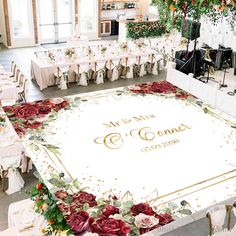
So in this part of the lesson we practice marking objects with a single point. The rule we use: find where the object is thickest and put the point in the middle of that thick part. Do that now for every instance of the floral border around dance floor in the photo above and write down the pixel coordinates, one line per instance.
(68, 207)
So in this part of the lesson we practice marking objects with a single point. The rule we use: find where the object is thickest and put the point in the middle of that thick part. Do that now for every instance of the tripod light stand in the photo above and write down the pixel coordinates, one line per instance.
(226, 65)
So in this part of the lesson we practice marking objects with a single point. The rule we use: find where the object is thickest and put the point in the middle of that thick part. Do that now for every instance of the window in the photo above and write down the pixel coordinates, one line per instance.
(88, 15)
(152, 9)
(20, 18)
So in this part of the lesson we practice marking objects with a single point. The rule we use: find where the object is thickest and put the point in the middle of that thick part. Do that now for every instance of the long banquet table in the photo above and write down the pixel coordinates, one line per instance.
(8, 89)
(42, 70)
(11, 156)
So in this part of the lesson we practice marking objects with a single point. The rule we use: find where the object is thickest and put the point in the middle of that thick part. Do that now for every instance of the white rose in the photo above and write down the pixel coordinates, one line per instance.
(117, 217)
(145, 221)
(45, 206)
(90, 234)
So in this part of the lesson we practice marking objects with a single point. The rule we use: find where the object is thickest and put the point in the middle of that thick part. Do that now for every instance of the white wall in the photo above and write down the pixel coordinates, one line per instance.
(112, 14)
(143, 6)
(3, 39)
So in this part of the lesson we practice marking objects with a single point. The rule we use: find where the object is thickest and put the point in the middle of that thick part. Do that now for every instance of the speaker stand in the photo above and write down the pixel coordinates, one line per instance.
(193, 57)
(224, 85)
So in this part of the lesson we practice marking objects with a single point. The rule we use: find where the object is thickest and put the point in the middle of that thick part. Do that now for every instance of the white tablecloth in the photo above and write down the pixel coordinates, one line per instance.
(42, 70)
(11, 157)
(22, 216)
(10, 143)
(8, 90)
(81, 41)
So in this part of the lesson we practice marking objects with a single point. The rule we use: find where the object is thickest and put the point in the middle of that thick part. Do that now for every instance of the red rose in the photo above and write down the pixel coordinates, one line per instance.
(27, 111)
(83, 197)
(61, 194)
(19, 130)
(32, 125)
(182, 95)
(39, 186)
(142, 208)
(63, 104)
(164, 218)
(10, 111)
(44, 109)
(110, 227)
(64, 208)
(79, 221)
(48, 103)
(109, 210)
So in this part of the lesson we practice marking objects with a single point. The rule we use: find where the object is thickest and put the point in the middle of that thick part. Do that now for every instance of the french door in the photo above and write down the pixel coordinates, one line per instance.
(55, 20)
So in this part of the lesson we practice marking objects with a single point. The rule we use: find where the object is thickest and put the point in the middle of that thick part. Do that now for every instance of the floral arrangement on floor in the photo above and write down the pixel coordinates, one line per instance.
(162, 87)
(70, 52)
(136, 30)
(167, 89)
(82, 213)
(29, 115)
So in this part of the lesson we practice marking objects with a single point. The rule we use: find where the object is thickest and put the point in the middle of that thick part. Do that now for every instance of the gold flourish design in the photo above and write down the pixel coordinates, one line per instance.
(111, 141)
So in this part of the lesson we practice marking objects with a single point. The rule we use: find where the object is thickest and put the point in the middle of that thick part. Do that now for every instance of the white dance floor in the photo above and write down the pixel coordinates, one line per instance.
(156, 147)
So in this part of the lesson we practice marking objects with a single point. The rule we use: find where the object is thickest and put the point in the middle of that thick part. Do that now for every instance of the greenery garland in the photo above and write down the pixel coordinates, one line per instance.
(46, 206)
(145, 29)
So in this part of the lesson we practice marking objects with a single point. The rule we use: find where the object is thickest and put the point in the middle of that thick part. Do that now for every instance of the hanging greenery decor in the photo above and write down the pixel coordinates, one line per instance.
(195, 9)
(145, 29)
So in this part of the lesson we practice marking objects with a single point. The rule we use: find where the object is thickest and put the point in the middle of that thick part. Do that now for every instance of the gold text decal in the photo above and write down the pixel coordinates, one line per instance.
(116, 140)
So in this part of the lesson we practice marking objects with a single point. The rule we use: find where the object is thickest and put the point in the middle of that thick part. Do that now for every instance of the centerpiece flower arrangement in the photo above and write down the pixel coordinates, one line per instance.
(90, 52)
(2, 122)
(70, 52)
(140, 45)
(124, 46)
(103, 50)
(51, 57)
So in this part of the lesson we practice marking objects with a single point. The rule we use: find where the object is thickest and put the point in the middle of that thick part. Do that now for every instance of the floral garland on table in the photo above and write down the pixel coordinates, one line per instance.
(29, 115)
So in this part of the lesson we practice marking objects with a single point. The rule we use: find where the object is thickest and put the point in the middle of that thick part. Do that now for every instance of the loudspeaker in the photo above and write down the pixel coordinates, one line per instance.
(187, 64)
(190, 29)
